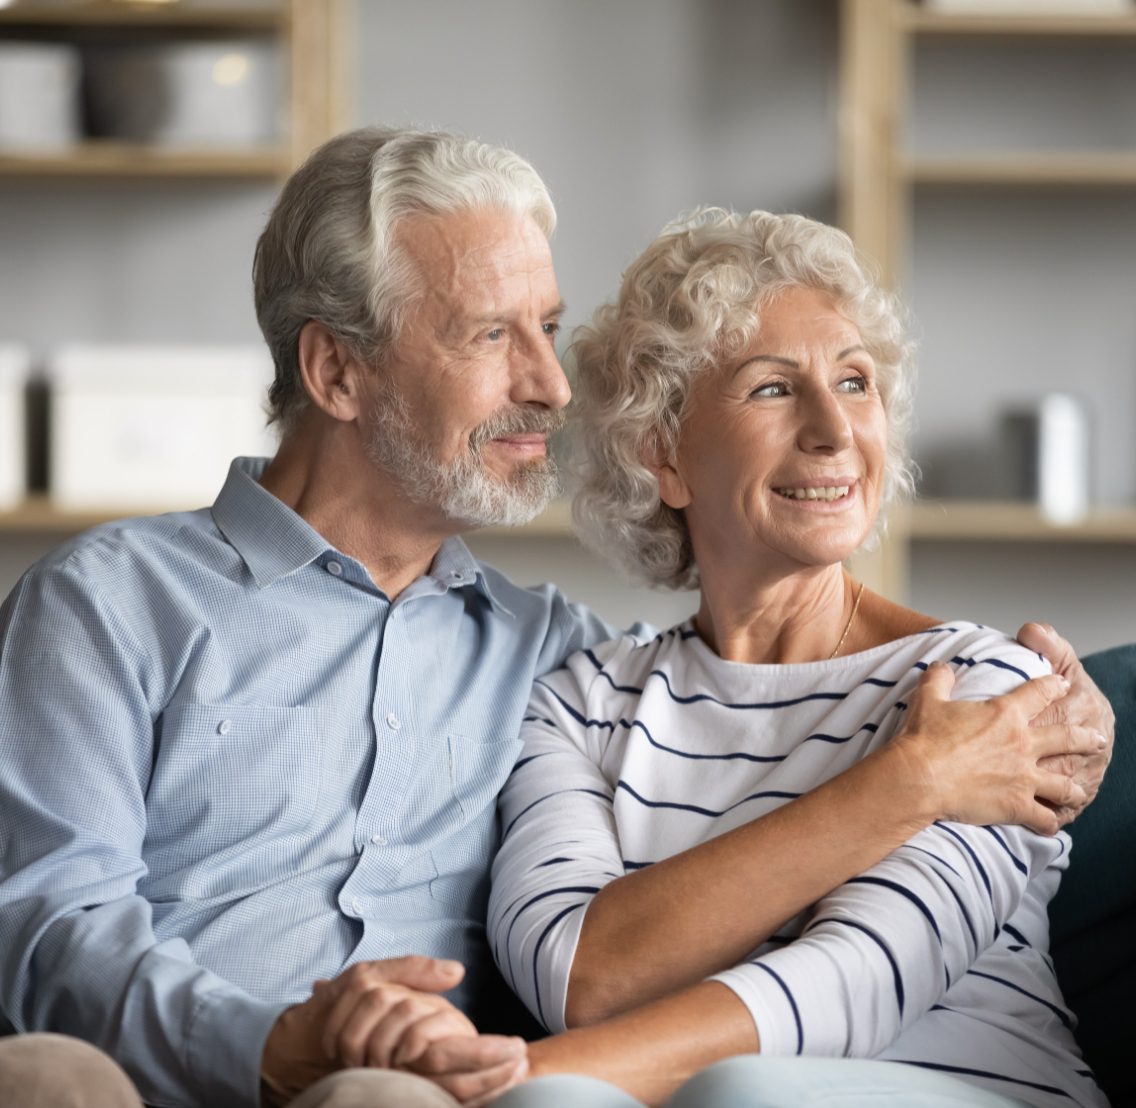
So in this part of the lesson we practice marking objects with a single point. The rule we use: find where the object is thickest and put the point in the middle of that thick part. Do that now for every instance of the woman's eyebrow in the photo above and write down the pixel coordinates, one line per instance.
(857, 349)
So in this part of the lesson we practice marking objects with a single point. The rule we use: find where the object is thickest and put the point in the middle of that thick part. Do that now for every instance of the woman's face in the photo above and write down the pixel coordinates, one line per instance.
(781, 453)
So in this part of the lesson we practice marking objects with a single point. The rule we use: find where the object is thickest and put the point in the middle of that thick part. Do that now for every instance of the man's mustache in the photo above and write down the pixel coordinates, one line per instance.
(516, 421)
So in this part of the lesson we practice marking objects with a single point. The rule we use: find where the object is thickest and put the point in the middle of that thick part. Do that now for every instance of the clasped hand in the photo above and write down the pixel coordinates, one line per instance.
(388, 1014)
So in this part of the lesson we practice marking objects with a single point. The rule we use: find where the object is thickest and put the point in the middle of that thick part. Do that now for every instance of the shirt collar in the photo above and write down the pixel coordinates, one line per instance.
(454, 566)
(271, 538)
(275, 541)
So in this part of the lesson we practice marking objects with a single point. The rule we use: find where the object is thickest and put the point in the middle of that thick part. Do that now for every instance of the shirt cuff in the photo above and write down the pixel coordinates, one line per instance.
(771, 1005)
(227, 1033)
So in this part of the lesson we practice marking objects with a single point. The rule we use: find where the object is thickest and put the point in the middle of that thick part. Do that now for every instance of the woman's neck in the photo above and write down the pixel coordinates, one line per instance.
(802, 617)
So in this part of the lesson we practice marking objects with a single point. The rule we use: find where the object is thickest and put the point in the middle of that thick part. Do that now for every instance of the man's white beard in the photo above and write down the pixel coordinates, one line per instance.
(464, 490)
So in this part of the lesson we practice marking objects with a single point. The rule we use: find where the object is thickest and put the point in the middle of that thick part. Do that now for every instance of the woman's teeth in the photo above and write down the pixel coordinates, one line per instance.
(832, 492)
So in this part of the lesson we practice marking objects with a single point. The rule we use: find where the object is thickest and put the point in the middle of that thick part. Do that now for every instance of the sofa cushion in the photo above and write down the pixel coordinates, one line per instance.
(1093, 916)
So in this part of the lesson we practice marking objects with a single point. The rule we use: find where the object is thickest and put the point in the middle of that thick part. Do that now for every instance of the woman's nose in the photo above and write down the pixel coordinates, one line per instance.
(825, 426)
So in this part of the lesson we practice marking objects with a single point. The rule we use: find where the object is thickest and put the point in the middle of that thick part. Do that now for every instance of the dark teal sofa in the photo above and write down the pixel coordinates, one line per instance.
(1093, 916)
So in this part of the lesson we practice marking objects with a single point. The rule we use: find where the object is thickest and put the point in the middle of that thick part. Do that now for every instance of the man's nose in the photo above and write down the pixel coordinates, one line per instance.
(539, 377)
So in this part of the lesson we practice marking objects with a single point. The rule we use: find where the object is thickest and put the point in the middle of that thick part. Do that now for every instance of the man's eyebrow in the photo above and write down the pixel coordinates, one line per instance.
(858, 348)
(460, 323)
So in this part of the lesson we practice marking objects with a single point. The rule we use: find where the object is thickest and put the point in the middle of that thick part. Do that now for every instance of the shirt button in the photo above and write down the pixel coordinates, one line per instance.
(393, 722)
(224, 727)
(335, 569)
(378, 840)
(357, 906)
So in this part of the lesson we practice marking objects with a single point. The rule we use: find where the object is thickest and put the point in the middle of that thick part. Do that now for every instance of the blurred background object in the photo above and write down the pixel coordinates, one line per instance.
(985, 160)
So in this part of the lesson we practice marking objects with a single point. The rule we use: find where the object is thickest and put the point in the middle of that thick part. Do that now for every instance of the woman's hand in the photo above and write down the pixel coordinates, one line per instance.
(981, 761)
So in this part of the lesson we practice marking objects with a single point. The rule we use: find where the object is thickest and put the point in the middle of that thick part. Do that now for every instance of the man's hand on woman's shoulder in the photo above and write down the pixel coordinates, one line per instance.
(1084, 705)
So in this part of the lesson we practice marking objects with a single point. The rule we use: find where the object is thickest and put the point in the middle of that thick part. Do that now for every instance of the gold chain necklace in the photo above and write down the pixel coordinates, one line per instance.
(851, 620)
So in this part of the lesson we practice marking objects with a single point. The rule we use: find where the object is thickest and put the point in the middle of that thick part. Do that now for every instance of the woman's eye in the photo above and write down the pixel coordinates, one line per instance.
(774, 388)
(854, 384)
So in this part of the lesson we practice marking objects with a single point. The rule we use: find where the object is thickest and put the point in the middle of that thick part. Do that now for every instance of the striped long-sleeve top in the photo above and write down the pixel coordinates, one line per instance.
(934, 957)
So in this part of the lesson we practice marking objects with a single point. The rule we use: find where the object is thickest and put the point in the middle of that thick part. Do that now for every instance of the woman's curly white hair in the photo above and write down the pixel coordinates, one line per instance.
(692, 299)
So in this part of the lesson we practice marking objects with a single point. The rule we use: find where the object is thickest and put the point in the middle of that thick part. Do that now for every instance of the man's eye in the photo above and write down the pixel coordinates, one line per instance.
(551, 328)
(496, 334)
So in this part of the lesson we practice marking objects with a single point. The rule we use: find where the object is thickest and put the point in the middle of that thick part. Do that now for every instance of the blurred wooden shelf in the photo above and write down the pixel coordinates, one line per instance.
(927, 21)
(994, 521)
(146, 13)
(1041, 169)
(126, 160)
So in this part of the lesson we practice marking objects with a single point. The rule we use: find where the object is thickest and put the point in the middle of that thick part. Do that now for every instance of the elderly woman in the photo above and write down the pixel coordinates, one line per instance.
(743, 837)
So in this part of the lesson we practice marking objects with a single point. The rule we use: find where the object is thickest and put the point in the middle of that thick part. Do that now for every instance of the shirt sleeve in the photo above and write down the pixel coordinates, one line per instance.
(560, 845)
(882, 949)
(78, 702)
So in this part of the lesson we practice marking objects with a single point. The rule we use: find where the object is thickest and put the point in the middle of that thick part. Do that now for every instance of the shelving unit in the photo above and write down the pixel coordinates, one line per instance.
(878, 179)
(309, 33)
(311, 38)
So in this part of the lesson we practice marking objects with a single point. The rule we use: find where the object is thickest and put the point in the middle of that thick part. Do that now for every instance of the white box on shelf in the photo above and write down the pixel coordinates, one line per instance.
(152, 427)
(14, 365)
(186, 94)
(39, 96)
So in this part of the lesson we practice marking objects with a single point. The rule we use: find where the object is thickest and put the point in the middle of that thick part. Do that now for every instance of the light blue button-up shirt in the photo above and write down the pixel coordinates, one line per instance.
(230, 765)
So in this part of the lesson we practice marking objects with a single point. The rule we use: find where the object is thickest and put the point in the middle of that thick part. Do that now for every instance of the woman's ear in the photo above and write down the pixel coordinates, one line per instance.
(673, 490)
(331, 374)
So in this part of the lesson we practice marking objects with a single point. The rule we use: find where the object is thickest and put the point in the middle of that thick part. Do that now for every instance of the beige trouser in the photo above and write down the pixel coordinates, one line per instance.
(54, 1071)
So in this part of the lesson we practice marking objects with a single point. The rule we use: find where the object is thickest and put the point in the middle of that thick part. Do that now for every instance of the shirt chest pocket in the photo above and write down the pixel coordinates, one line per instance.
(231, 777)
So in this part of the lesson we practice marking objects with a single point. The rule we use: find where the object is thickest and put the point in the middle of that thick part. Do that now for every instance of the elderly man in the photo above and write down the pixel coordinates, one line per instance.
(245, 747)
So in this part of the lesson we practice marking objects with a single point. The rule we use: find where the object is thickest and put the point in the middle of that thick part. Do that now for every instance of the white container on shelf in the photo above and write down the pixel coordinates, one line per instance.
(14, 365)
(39, 96)
(186, 94)
(152, 427)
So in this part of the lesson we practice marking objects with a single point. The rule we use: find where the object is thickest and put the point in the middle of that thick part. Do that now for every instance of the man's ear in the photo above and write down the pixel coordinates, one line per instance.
(673, 490)
(331, 374)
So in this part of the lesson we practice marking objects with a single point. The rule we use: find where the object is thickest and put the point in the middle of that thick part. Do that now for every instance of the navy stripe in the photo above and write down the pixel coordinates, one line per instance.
(1018, 863)
(553, 862)
(1061, 1015)
(973, 857)
(549, 796)
(931, 854)
(999, 664)
(536, 955)
(743, 706)
(636, 865)
(982, 1073)
(952, 890)
(528, 904)
(1015, 933)
(609, 679)
(897, 888)
(621, 784)
(531, 758)
(898, 978)
(732, 757)
(818, 736)
(792, 1005)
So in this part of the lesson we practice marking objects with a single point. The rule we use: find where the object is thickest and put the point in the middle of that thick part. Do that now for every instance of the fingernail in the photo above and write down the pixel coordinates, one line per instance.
(447, 965)
(1064, 680)
(1102, 742)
